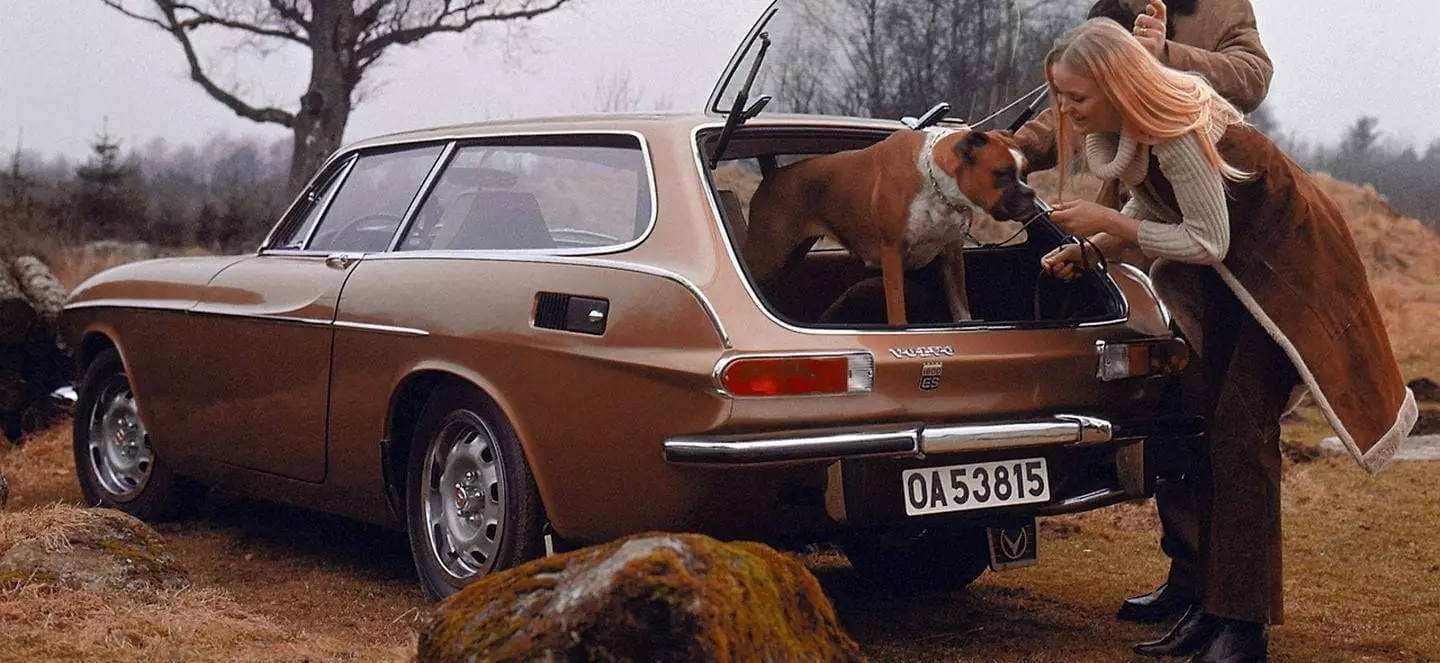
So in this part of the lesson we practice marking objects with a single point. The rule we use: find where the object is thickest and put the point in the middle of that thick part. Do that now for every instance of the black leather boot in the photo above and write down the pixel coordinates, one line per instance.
(1192, 632)
(1161, 605)
(1235, 641)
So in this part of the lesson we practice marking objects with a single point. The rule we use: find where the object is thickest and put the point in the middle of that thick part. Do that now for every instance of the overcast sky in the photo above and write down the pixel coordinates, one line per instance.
(68, 65)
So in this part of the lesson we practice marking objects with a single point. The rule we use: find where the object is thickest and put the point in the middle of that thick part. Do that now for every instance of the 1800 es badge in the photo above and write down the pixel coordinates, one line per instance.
(930, 376)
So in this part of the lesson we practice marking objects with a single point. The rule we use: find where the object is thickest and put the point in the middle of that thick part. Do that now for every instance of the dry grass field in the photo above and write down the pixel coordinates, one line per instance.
(278, 584)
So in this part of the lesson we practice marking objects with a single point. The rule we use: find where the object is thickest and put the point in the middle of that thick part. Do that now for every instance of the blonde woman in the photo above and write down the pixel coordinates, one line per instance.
(1219, 40)
(1264, 278)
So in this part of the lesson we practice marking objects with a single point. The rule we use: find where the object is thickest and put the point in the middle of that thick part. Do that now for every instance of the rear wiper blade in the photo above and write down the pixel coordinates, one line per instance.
(739, 114)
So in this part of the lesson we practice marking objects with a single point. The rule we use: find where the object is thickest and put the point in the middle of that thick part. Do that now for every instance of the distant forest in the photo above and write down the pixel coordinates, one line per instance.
(223, 195)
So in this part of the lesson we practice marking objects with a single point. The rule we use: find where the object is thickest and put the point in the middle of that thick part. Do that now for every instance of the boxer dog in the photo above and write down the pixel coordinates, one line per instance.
(897, 204)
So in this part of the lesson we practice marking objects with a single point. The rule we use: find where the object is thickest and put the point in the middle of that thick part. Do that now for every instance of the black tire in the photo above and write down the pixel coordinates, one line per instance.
(505, 521)
(934, 559)
(113, 459)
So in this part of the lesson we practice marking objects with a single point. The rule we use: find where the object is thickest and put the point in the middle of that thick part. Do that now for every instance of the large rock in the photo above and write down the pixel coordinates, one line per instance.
(650, 597)
(34, 359)
(44, 292)
(96, 549)
(17, 312)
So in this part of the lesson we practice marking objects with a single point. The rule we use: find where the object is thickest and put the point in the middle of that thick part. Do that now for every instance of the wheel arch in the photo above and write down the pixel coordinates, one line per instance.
(406, 403)
(91, 345)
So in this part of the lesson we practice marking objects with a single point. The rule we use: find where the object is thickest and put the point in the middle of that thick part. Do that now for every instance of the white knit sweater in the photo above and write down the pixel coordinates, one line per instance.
(1198, 232)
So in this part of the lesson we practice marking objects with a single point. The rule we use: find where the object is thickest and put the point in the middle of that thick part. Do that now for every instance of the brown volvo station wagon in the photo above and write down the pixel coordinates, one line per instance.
(506, 336)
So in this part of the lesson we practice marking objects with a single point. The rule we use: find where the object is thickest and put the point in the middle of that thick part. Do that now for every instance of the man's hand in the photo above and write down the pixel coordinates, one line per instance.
(1150, 28)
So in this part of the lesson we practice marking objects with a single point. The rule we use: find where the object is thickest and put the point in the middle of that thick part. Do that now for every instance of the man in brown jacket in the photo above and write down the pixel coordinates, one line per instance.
(1219, 40)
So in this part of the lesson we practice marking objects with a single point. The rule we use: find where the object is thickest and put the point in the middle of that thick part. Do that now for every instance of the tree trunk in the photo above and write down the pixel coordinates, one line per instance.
(325, 107)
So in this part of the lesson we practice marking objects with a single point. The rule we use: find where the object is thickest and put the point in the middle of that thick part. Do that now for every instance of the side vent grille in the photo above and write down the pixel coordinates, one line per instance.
(550, 310)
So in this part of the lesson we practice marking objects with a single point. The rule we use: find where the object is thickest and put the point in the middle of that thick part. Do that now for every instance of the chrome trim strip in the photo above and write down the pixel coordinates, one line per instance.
(551, 259)
(1094, 499)
(801, 446)
(1144, 279)
(130, 304)
(1063, 429)
(832, 444)
(261, 317)
(425, 185)
(765, 310)
(383, 329)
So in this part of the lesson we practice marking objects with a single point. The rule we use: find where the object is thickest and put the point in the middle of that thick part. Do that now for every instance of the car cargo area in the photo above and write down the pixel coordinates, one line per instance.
(830, 288)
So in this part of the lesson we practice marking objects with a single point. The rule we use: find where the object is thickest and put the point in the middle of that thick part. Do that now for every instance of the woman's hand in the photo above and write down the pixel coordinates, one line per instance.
(1150, 27)
(1083, 218)
(1066, 262)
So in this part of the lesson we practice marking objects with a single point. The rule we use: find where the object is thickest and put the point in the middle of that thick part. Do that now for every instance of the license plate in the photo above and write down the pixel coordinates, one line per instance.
(972, 486)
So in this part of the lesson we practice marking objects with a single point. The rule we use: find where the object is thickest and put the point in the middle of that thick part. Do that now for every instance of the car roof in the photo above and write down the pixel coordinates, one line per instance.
(605, 122)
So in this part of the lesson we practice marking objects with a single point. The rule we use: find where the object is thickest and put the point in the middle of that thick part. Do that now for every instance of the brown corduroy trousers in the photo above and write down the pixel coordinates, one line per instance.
(1228, 509)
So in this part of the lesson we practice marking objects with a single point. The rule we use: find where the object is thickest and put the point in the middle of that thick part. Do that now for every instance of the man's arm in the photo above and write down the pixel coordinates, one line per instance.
(1036, 139)
(1238, 68)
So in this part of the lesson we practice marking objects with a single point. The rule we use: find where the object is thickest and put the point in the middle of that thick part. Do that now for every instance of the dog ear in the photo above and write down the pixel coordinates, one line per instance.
(965, 149)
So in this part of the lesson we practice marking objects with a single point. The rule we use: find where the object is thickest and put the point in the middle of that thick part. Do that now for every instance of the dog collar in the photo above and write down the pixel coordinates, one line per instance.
(927, 157)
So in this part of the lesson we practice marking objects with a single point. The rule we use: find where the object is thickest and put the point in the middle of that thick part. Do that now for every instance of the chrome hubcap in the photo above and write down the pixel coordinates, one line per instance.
(464, 496)
(120, 455)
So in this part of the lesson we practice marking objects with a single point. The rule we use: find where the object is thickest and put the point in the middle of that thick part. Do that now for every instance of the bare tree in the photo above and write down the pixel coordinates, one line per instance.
(617, 92)
(890, 58)
(345, 38)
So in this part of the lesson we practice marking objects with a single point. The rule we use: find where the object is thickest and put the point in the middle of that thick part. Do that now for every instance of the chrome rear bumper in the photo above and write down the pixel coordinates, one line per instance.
(911, 440)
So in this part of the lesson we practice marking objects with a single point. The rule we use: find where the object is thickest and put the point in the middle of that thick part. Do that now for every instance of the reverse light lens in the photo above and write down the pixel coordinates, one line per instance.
(799, 376)
(1142, 358)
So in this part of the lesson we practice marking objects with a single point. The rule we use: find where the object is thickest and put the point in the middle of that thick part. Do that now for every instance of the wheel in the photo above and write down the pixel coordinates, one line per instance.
(113, 459)
(471, 504)
(939, 559)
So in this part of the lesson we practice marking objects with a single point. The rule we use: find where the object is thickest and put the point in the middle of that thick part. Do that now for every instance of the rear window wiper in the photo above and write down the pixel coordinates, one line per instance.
(739, 114)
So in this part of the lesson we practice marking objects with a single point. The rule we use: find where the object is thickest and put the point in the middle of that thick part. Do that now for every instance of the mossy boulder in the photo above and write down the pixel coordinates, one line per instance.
(96, 549)
(649, 597)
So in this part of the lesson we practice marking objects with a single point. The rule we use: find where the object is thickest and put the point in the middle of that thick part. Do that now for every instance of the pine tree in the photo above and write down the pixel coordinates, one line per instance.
(109, 198)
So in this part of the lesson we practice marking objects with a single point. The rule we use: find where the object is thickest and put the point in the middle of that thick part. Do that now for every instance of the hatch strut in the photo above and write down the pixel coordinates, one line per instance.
(739, 114)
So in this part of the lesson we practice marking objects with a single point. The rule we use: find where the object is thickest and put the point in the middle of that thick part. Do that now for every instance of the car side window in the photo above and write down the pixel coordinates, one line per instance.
(371, 202)
(312, 203)
(543, 192)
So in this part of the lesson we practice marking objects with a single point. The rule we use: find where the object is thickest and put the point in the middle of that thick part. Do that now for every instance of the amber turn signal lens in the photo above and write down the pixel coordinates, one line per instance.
(798, 376)
(1142, 358)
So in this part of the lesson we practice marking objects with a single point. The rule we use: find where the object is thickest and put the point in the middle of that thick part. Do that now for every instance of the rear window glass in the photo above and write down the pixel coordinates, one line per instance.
(570, 192)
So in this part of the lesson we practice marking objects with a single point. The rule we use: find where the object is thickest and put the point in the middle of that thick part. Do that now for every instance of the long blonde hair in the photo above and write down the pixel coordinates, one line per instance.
(1156, 102)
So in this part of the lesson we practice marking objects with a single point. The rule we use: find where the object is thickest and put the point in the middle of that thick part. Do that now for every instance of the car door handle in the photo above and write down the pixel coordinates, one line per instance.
(341, 260)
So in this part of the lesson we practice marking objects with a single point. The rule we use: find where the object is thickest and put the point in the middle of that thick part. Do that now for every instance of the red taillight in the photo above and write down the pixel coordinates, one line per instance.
(798, 376)
(1140, 358)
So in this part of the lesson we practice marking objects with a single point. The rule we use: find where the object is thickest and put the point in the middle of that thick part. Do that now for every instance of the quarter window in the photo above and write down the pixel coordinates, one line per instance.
(373, 199)
(567, 192)
(307, 212)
